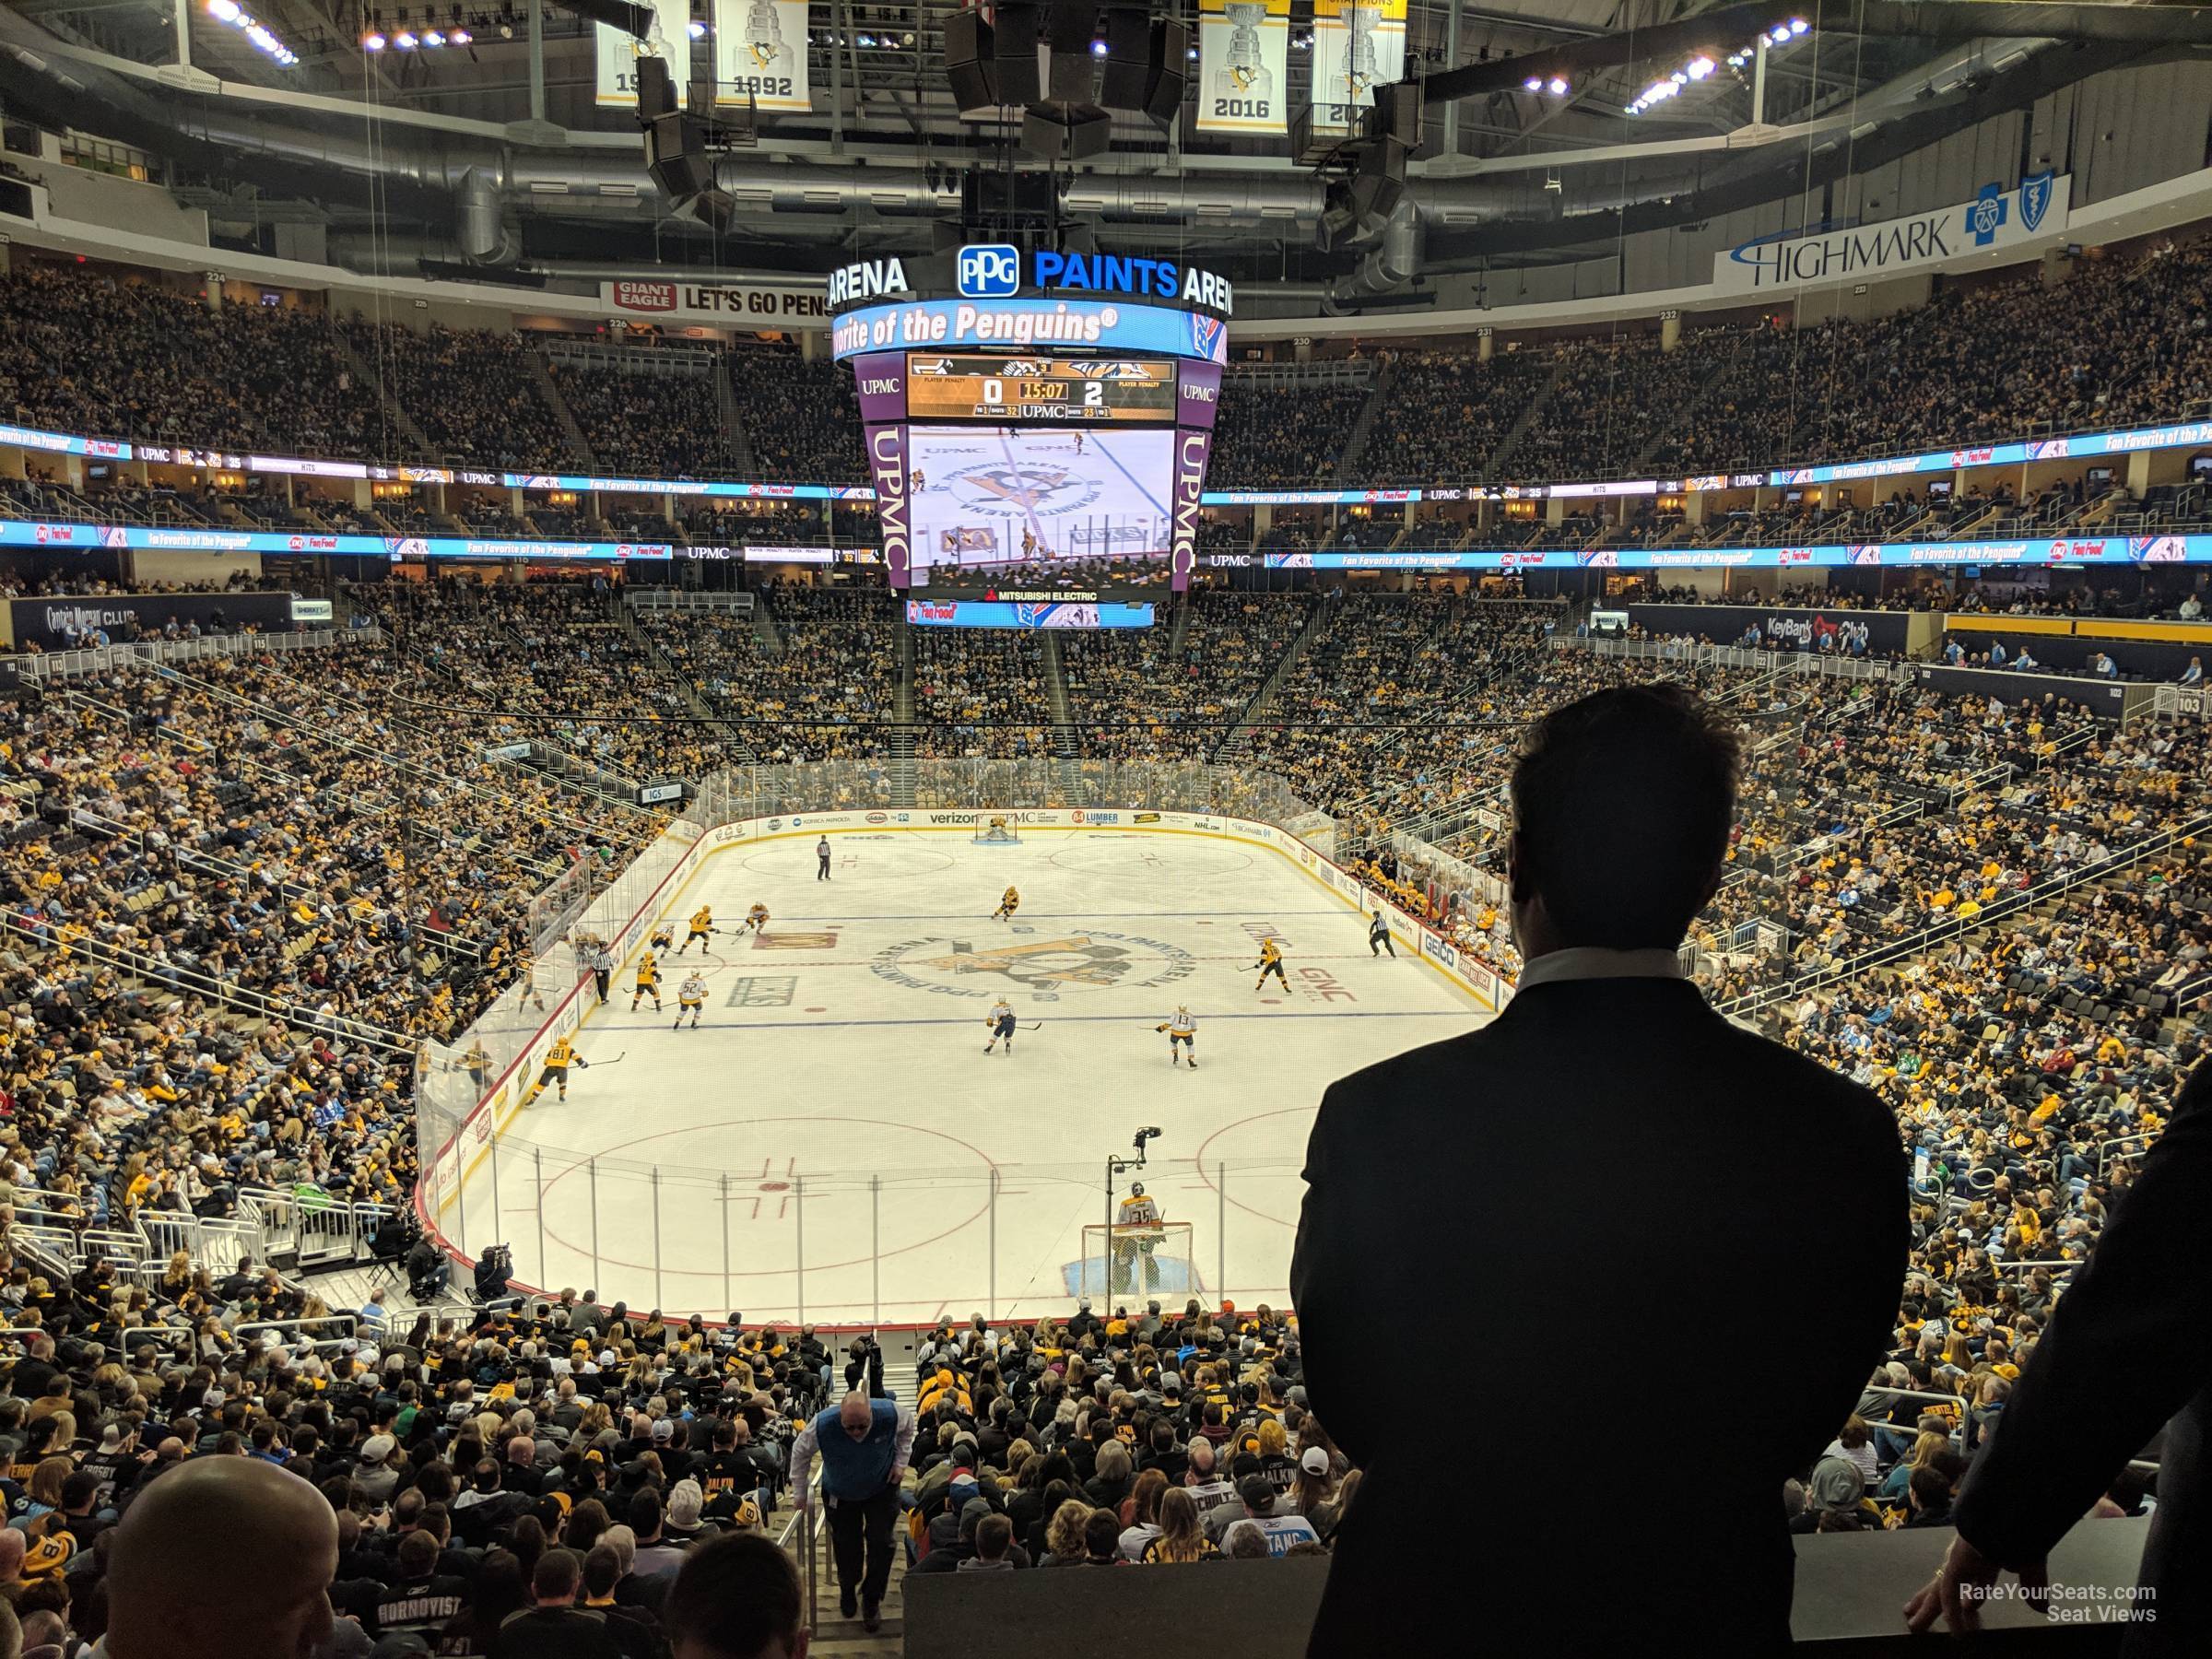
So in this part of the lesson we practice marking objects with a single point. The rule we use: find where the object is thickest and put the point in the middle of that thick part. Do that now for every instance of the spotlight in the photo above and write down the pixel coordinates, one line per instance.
(1798, 26)
(1535, 83)
(1700, 67)
(223, 11)
(697, 29)
(506, 32)
(404, 40)
(1780, 35)
(431, 37)
(1559, 86)
(1677, 79)
(1097, 49)
(867, 40)
(460, 37)
(372, 41)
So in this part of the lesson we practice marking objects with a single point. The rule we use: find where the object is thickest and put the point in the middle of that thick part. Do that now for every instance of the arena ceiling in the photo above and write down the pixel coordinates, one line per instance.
(381, 148)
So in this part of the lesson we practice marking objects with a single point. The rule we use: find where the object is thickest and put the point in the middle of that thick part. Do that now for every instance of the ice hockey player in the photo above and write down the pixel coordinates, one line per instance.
(756, 919)
(1001, 1021)
(690, 995)
(664, 936)
(559, 1058)
(1377, 938)
(1008, 903)
(1181, 1031)
(649, 982)
(702, 924)
(1271, 961)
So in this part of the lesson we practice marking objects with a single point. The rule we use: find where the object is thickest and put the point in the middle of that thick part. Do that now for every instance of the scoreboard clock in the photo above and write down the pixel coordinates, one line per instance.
(955, 386)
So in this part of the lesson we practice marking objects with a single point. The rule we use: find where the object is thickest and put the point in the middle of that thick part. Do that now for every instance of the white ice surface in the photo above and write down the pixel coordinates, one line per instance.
(836, 1115)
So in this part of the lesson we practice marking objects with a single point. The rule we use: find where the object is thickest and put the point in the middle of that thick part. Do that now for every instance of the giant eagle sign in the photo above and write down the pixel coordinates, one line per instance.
(1995, 221)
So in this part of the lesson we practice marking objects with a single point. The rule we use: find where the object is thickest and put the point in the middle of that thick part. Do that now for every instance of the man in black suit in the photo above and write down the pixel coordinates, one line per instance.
(2129, 1346)
(1610, 1187)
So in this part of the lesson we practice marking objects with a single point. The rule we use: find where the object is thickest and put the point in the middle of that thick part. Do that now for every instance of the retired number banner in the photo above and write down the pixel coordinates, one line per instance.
(617, 52)
(1243, 46)
(1358, 46)
(760, 53)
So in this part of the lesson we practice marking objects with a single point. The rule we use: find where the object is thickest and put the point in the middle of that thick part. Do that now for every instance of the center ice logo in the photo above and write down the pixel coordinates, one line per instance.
(1047, 490)
(1042, 968)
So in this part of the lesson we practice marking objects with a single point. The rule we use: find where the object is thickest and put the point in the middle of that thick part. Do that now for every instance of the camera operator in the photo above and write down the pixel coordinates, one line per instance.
(864, 1369)
(493, 1269)
(427, 1270)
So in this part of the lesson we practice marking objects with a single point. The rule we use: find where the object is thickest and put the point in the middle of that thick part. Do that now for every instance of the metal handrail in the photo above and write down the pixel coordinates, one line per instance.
(803, 1522)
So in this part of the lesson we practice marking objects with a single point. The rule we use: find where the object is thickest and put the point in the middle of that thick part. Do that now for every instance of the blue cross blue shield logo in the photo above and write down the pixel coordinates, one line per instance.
(2035, 199)
(1985, 215)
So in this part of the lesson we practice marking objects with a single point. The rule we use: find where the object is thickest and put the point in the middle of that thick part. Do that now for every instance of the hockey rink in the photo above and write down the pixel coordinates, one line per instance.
(835, 1108)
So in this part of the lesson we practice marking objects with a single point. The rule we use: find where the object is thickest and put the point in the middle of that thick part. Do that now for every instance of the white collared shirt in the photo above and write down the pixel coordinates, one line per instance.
(1595, 961)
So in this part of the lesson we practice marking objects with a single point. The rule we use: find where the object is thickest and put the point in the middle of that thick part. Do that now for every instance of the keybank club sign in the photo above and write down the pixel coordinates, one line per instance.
(1995, 219)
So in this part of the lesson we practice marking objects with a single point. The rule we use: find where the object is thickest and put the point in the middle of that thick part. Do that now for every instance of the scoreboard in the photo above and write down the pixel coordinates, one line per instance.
(954, 386)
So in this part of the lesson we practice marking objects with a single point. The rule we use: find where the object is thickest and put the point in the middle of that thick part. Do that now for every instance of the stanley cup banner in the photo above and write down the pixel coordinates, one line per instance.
(618, 51)
(760, 53)
(1244, 47)
(1358, 46)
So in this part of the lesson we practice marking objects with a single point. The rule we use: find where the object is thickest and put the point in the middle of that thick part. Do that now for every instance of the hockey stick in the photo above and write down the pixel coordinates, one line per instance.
(1033, 1025)
(617, 1060)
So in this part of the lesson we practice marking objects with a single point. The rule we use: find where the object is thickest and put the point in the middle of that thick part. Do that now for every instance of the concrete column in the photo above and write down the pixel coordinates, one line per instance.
(1301, 348)
(2138, 473)
(1670, 330)
(810, 345)
(215, 291)
(1485, 345)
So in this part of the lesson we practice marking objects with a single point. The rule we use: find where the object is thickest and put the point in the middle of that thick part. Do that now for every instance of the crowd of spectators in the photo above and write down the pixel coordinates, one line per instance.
(979, 694)
(470, 391)
(802, 417)
(1283, 435)
(641, 420)
(129, 359)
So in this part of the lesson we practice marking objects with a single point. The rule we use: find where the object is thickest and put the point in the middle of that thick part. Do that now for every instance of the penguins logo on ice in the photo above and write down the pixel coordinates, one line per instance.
(1090, 960)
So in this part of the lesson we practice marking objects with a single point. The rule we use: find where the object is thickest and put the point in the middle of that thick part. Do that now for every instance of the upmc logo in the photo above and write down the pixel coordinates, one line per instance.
(989, 270)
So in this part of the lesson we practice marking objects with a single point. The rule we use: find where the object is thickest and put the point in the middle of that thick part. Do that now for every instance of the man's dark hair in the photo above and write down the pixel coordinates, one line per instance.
(734, 1596)
(417, 1554)
(557, 1576)
(1101, 1533)
(994, 1537)
(645, 1514)
(602, 1570)
(1622, 803)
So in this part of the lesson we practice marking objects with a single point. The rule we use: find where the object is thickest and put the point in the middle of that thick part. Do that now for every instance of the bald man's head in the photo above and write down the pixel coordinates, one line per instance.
(222, 1557)
(11, 1554)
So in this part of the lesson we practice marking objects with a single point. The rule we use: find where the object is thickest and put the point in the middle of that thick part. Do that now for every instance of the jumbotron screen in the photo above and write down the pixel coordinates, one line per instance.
(984, 496)
(1074, 391)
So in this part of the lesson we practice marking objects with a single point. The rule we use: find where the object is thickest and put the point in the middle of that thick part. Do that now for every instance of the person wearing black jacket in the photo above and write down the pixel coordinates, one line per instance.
(2128, 1348)
(1527, 1172)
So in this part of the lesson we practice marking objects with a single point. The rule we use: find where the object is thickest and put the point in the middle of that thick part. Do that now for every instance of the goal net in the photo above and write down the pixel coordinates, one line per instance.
(995, 830)
(1135, 1260)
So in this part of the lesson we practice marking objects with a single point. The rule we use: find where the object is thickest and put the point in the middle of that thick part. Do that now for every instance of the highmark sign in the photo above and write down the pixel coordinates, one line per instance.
(1995, 221)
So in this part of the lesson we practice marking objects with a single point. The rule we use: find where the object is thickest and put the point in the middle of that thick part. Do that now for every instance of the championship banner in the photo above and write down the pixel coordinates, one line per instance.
(1243, 47)
(617, 52)
(1358, 46)
(760, 53)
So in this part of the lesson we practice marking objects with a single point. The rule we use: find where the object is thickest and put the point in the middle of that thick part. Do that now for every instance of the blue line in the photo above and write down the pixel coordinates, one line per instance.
(1055, 916)
(821, 1025)
(1126, 472)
